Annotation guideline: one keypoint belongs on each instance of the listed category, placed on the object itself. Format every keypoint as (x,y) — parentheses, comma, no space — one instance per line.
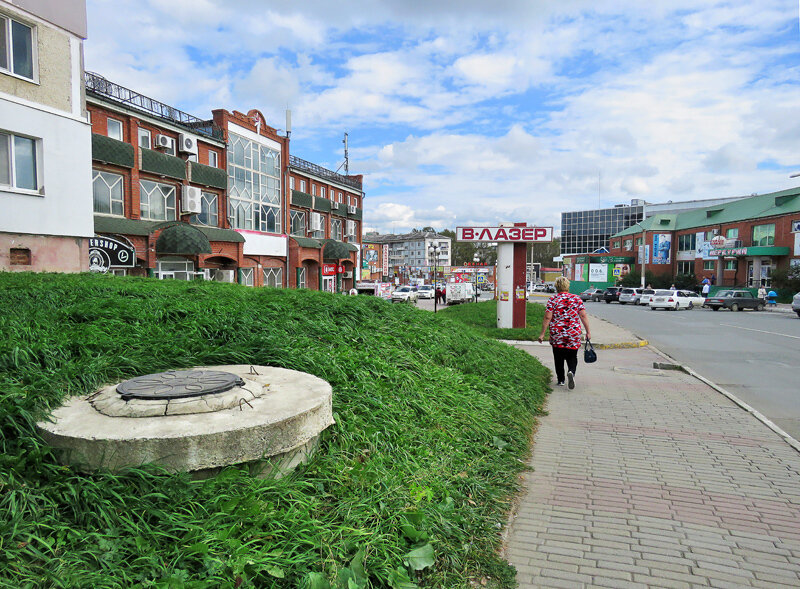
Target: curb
(615,346)
(757,414)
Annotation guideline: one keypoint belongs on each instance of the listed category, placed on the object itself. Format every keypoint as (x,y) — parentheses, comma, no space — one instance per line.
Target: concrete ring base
(284,423)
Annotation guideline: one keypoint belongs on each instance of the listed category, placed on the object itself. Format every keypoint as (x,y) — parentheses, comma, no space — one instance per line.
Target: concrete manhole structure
(199,421)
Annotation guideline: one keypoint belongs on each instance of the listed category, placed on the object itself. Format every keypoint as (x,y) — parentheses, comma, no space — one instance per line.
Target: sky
(472,113)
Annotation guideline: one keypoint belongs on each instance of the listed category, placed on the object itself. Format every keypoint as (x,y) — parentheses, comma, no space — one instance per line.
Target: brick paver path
(644,478)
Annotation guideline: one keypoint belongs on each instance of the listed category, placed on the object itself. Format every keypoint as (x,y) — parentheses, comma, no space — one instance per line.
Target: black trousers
(571,357)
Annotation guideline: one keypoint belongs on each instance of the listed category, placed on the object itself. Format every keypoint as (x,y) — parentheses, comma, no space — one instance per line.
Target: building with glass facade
(586,231)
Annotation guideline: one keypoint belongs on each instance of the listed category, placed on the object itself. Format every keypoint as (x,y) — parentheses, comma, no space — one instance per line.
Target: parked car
(672,299)
(735,300)
(630,295)
(425,291)
(696,299)
(405,293)
(796,304)
(591,294)
(539,288)
(549,287)
(611,294)
(647,294)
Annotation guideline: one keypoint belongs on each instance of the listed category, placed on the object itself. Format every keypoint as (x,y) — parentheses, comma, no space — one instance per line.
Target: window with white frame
(273,277)
(247,275)
(301,278)
(336,229)
(687,243)
(730,264)
(254,185)
(732,233)
(175,269)
(322,191)
(351,230)
(145,138)
(19,167)
(313,189)
(17,48)
(685,267)
(157,201)
(628,244)
(114,129)
(302,185)
(108,191)
(298,222)
(708,264)
(291,182)
(340,199)
(209,210)
(213,159)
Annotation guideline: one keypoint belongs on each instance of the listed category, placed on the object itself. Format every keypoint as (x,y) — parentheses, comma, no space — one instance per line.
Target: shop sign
(339,269)
(107,252)
(329,269)
(730,251)
(386,259)
(505,234)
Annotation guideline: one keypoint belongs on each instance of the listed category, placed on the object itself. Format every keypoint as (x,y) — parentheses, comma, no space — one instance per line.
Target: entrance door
(328,283)
(750,270)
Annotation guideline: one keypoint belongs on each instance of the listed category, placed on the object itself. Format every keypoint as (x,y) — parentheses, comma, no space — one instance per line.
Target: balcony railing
(96,84)
(321,172)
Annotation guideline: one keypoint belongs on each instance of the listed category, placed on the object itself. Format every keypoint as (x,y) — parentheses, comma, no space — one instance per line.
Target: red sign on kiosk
(329,269)
(504,234)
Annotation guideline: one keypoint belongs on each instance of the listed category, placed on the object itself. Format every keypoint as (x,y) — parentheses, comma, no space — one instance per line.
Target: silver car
(630,295)
(796,304)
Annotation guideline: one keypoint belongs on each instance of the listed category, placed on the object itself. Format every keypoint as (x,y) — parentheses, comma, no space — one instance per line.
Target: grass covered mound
(409,488)
(483,317)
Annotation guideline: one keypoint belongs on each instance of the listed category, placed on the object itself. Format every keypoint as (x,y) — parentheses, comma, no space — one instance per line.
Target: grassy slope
(483,317)
(432,421)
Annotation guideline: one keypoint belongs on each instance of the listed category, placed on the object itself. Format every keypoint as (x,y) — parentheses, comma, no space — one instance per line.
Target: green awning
(337,250)
(123,226)
(307,242)
(182,239)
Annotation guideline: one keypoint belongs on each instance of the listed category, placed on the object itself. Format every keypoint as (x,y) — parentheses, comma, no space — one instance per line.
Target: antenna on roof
(288,122)
(346,162)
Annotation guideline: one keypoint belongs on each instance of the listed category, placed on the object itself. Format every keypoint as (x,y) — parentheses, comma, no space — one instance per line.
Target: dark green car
(735,300)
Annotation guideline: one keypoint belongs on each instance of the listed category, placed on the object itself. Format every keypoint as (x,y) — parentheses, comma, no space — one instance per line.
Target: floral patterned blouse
(565,327)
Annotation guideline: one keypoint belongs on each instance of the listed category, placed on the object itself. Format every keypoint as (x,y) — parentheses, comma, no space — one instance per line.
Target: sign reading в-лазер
(504,234)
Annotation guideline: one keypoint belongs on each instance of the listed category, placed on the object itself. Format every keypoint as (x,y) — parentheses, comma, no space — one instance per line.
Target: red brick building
(755,236)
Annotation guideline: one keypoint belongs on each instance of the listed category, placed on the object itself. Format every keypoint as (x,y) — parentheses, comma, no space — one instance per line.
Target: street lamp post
(433,250)
(476,259)
(644,250)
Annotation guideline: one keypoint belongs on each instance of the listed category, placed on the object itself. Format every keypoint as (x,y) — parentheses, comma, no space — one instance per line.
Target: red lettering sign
(513,234)
(539,232)
(527,234)
(467,233)
(328,269)
(485,235)
(500,235)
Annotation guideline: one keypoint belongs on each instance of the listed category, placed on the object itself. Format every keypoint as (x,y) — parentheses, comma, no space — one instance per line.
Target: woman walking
(564,314)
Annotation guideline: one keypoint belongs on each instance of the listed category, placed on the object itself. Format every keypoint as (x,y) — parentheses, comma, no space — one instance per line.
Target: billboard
(703,248)
(662,244)
(598,273)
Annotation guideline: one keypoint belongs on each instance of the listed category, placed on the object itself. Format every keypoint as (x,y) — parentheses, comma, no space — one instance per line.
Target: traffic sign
(617,271)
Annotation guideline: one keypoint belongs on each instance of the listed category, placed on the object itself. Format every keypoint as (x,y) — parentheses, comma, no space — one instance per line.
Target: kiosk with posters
(511,240)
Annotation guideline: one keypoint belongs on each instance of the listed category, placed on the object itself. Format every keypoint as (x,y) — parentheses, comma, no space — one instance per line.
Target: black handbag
(589,355)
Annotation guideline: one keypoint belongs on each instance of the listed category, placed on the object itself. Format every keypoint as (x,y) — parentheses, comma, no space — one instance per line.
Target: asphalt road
(756,356)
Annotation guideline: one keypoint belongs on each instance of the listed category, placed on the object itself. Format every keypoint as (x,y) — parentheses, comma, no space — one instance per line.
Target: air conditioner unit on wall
(351,228)
(187,143)
(165,141)
(334,206)
(347,274)
(191,202)
(351,209)
(316,222)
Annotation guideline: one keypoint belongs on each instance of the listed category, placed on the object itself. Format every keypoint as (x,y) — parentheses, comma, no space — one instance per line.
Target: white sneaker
(570,380)
(559,384)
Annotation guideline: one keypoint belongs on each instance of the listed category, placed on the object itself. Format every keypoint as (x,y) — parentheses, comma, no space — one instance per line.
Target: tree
(461,252)
(543,253)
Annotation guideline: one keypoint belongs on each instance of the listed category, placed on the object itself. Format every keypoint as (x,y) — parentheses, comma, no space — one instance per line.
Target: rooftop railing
(100,86)
(321,172)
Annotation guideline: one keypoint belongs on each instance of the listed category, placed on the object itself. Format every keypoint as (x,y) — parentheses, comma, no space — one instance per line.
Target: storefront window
(764,235)
(175,270)
(273,277)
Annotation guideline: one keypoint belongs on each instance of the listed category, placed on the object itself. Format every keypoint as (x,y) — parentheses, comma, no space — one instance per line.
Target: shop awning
(757,250)
(182,239)
(337,250)
(307,242)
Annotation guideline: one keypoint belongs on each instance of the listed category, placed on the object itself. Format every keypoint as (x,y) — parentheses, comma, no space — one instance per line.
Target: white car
(697,300)
(672,299)
(425,291)
(405,293)
(647,295)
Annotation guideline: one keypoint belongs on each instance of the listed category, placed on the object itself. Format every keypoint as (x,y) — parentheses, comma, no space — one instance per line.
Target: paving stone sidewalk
(650,478)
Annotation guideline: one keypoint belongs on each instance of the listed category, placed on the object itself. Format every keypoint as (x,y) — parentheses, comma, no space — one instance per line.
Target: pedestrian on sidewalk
(564,314)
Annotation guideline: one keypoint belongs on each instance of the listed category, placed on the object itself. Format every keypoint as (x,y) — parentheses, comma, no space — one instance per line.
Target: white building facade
(45,139)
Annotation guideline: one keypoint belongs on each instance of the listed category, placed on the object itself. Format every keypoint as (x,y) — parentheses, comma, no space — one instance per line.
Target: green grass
(483,317)
(409,488)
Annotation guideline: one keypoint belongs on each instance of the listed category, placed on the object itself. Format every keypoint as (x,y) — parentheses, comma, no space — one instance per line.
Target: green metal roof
(307,242)
(183,239)
(756,207)
(125,226)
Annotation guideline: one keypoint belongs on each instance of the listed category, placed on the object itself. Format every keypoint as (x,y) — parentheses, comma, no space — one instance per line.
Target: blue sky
(472,113)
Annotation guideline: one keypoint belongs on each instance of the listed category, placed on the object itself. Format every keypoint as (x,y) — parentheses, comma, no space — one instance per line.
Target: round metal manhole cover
(178,384)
